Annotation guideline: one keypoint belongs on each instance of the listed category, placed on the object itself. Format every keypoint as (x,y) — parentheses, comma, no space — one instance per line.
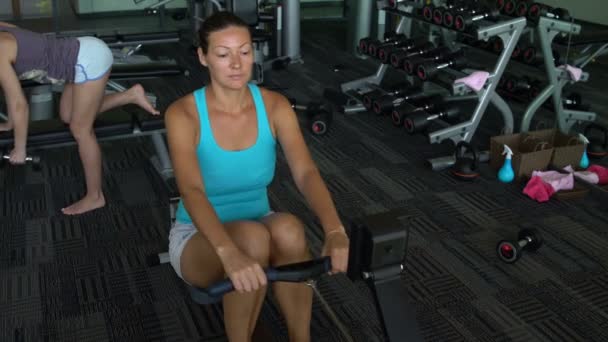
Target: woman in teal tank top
(222,141)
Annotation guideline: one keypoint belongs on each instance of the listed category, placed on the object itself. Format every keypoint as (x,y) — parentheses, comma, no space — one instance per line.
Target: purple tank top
(44,58)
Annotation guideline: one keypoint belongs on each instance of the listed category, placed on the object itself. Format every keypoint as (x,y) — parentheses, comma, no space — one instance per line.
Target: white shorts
(178,237)
(94,60)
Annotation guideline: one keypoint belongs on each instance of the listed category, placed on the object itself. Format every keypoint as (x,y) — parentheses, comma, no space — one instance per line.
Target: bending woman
(83,66)
(222,140)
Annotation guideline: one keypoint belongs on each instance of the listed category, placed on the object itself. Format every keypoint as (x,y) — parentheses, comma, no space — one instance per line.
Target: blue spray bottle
(506,174)
(584,159)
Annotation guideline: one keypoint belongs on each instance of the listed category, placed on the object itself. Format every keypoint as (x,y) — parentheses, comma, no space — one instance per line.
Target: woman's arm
(2,23)
(182,138)
(303,169)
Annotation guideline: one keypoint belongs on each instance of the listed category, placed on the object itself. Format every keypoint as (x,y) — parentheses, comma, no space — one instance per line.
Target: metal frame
(548,29)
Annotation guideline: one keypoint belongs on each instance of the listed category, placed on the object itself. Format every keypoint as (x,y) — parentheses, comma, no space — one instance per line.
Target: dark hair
(217,22)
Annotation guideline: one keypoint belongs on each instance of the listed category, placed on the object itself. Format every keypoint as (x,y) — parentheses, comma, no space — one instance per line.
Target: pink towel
(476,80)
(559,181)
(587,176)
(602,173)
(538,190)
(574,72)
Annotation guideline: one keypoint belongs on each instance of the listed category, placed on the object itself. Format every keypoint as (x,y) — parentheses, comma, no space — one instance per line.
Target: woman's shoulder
(184,106)
(274,101)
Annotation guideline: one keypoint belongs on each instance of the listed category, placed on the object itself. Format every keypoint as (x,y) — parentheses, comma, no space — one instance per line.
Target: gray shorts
(178,237)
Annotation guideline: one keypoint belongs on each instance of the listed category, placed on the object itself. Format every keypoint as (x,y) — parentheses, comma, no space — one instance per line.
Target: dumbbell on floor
(318,116)
(462,22)
(528,239)
(34,160)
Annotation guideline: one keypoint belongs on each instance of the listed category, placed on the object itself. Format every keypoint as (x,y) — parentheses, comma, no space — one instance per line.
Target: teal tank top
(235,181)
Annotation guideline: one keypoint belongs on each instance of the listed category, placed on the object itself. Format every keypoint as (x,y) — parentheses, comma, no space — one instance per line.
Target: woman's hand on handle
(336,247)
(246,274)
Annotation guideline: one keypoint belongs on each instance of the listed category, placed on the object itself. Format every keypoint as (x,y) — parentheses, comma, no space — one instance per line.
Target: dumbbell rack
(509,31)
(547,30)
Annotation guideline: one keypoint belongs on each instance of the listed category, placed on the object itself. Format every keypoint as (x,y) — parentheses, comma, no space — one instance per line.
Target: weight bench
(53,132)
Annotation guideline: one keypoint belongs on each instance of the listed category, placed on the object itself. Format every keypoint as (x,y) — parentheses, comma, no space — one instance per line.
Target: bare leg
(288,245)
(134,95)
(200,266)
(86,101)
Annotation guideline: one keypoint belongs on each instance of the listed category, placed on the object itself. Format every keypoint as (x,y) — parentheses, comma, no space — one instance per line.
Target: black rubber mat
(85,278)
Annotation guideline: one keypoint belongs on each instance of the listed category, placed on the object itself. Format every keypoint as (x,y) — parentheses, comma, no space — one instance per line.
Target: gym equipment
(531,56)
(528,239)
(522,8)
(368,97)
(292,273)
(449,15)
(462,22)
(418,122)
(5,156)
(597,147)
(364,43)
(389,101)
(410,64)
(399,56)
(557,78)
(465,167)
(509,7)
(523,85)
(506,173)
(385,53)
(392,42)
(318,116)
(377,254)
(424,104)
(536,10)
(428,70)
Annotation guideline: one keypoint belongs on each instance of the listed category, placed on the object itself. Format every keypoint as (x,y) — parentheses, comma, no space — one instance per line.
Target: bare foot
(87,203)
(139,98)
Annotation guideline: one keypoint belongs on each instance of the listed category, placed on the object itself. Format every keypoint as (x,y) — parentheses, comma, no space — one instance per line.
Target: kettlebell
(465,167)
(597,147)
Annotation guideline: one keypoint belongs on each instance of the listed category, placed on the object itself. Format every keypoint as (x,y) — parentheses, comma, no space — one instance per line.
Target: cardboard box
(530,153)
(567,148)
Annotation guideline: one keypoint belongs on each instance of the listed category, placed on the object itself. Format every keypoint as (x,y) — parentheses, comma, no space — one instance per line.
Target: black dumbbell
(364,42)
(385,52)
(427,13)
(427,71)
(533,57)
(462,22)
(597,147)
(369,97)
(528,239)
(525,84)
(509,7)
(418,122)
(536,10)
(34,160)
(423,103)
(318,116)
(437,16)
(387,102)
(410,64)
(450,14)
(373,46)
(522,8)
(398,57)
(574,101)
